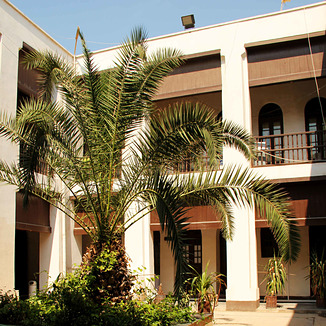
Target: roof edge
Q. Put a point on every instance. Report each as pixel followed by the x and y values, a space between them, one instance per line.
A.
pixel 37 27
pixel 194 30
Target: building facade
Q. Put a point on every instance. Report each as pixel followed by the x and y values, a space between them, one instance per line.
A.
pixel 266 73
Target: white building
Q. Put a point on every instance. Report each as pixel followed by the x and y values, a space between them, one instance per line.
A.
pixel 266 73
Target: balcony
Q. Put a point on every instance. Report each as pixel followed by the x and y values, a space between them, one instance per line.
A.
pixel 291 148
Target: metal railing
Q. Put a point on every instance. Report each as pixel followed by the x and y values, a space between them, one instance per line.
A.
pixel 291 148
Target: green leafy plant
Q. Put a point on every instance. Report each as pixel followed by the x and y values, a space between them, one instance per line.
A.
pixel 317 275
pixel 202 287
pixel 69 303
pixel 144 287
pixel 275 276
pixel 105 271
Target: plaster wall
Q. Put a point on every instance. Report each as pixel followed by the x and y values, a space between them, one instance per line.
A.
pixel 15 28
pixel 292 171
pixel 8 86
pixel 167 266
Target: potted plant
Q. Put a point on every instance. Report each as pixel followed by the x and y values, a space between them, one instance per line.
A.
pixel 317 278
pixel 202 286
pixel 275 280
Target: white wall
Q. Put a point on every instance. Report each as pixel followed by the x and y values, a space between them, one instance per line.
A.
pixel 272 26
pixel 139 244
pixel 15 29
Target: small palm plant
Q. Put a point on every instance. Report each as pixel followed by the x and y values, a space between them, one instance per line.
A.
pixel 275 280
pixel 317 277
pixel 202 286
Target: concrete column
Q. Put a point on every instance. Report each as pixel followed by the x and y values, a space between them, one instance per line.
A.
pixel 209 246
pixel 53 249
pixel 139 243
pixel 167 266
pixel 9 49
pixel 242 291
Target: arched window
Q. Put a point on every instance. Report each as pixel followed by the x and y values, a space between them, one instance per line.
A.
pixel 314 117
pixel 271 125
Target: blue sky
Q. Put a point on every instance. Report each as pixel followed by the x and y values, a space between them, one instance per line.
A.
pixel 107 22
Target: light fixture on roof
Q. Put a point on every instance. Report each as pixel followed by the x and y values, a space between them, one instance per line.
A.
pixel 188 21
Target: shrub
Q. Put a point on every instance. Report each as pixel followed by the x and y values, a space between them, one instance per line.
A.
pixel 12 310
pixel 134 313
pixel 69 303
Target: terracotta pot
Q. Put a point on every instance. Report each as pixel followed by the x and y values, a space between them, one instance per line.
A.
pixel 271 301
pixel 204 307
pixel 320 302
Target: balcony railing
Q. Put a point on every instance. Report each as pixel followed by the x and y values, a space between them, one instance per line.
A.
pixel 291 148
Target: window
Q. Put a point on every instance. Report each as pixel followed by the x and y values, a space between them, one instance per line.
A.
pixel 270 126
pixel 268 243
pixel 193 250
pixel 314 117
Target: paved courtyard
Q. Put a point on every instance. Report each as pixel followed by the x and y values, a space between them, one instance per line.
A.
pixel 287 314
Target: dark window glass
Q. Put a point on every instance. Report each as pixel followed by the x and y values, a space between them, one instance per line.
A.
pixel 268 243
pixel 193 250
pixel 314 116
pixel 271 125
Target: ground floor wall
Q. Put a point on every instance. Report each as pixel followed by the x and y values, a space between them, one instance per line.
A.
pixel 213 254
pixel 31 251
pixel 60 250
pixel 297 285
pixel 209 255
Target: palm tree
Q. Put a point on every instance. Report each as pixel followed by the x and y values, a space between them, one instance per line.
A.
pixel 110 149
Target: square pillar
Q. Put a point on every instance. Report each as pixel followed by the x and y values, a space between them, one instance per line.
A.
pixel 139 242
pixel 53 249
pixel 242 280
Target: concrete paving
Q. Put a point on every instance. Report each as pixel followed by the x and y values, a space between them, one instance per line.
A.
pixel 286 314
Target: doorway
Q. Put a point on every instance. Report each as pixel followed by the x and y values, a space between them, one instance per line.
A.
pixel 26 260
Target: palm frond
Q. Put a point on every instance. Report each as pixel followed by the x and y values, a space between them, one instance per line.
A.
pixel 242 187
pixel 189 130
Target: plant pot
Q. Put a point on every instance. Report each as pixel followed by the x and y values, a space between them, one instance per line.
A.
pixel 204 307
pixel 320 302
pixel 271 301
